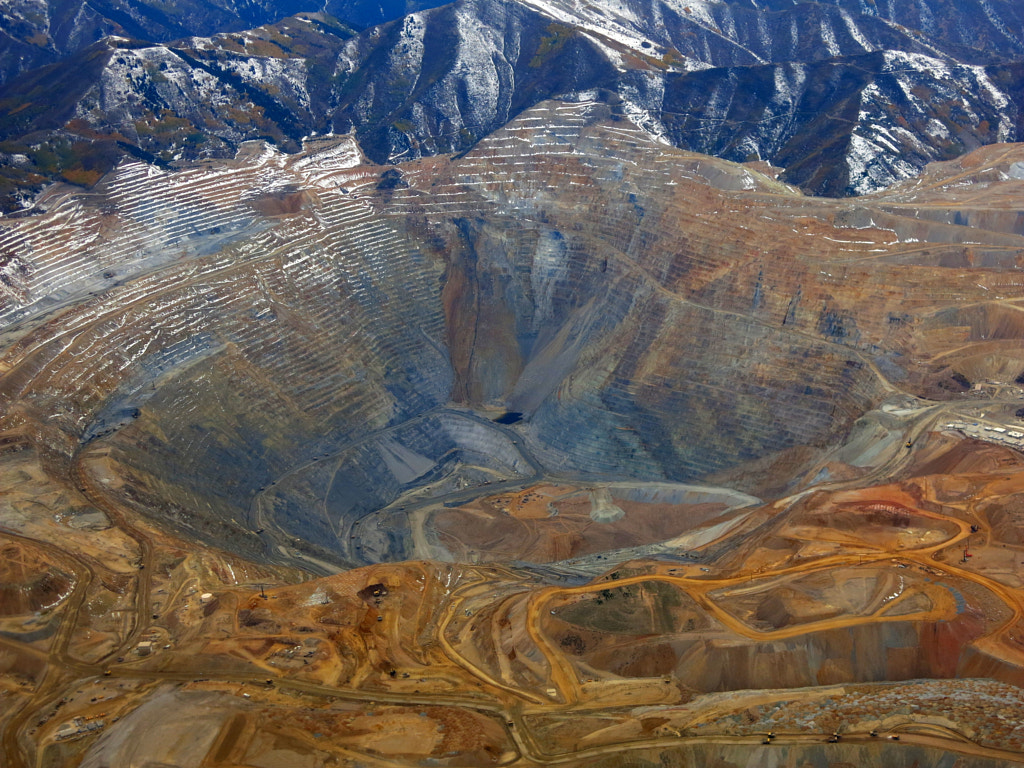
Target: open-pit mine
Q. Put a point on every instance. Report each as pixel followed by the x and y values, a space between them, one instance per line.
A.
pixel 575 449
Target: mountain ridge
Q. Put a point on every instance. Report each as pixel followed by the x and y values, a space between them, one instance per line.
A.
pixel 846 101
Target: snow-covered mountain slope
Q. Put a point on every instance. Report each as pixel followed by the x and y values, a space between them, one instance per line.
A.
pixel 36 32
pixel 992 29
pixel 845 126
pixel 845 96
pixel 846 104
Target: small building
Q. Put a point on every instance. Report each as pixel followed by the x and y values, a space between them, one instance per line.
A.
pixel 145 648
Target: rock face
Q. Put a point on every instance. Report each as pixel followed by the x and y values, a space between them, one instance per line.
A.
pixel 336 339
pixel 846 97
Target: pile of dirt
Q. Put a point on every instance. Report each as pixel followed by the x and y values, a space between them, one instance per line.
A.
pixel 28 583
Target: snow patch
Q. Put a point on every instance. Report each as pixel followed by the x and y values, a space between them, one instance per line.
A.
pixel 828 37
pixel 624 27
pixel 289 75
pixel 854 30
pixel 871 167
pixel 935 129
pixel 895 61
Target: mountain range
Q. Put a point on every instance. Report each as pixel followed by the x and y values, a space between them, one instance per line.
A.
pixel 844 97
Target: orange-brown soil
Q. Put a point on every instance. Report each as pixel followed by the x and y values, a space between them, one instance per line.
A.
pixel 549 523
pixel 29 581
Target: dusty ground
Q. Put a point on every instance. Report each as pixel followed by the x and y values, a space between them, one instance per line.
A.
pixel 848 610
pixel 548 523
